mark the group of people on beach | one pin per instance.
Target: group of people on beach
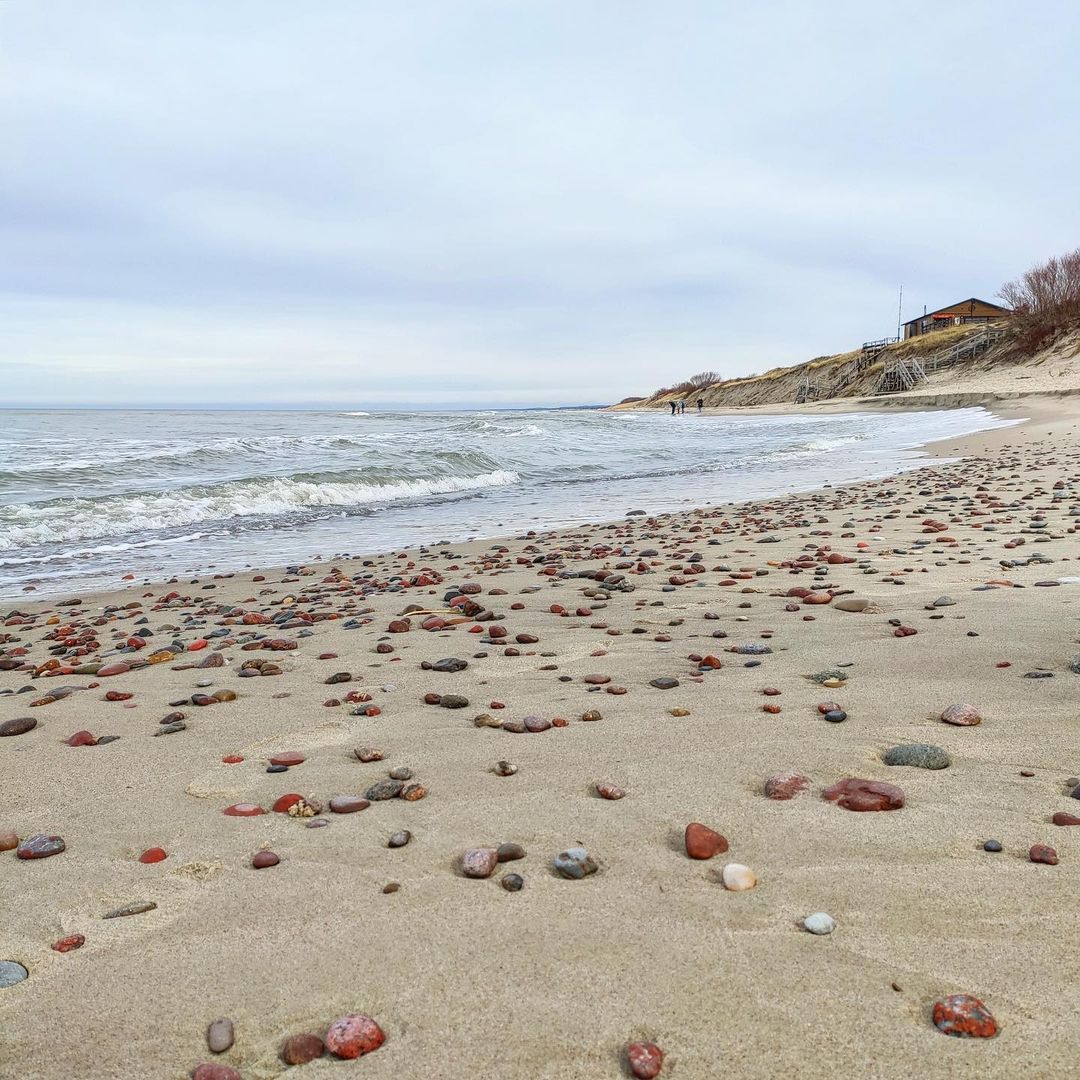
(680, 406)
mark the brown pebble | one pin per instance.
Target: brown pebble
(392, 887)
(300, 1049)
(261, 860)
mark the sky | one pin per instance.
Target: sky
(342, 203)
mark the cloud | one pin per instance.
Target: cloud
(518, 201)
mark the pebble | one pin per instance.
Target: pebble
(992, 845)
(645, 1059)
(701, 842)
(738, 878)
(664, 682)
(263, 860)
(138, 907)
(220, 1036)
(512, 882)
(1043, 853)
(215, 1071)
(300, 1049)
(8, 840)
(479, 862)
(610, 791)
(918, 756)
(962, 715)
(347, 804)
(575, 863)
(20, 725)
(964, 1016)
(856, 794)
(11, 973)
(243, 810)
(505, 768)
(399, 839)
(153, 855)
(1062, 818)
(509, 852)
(40, 846)
(384, 789)
(819, 923)
(352, 1035)
(786, 785)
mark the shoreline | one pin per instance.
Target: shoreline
(650, 946)
(1002, 411)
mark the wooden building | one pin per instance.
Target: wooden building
(971, 310)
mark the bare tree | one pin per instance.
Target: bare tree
(1046, 299)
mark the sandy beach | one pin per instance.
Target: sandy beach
(469, 979)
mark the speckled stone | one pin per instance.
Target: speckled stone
(918, 756)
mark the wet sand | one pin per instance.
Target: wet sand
(468, 979)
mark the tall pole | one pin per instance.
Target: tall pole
(900, 313)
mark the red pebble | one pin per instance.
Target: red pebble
(82, 738)
(232, 759)
(117, 695)
(964, 1016)
(153, 855)
(1043, 853)
(69, 943)
(281, 805)
(786, 785)
(288, 757)
(1061, 818)
(770, 708)
(215, 1071)
(350, 1036)
(243, 809)
(261, 860)
(703, 842)
(861, 795)
(645, 1059)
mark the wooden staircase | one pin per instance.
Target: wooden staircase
(904, 374)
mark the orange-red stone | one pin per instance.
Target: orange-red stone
(703, 842)
(153, 855)
(964, 1016)
(350, 1036)
(860, 795)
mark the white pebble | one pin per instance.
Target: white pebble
(738, 878)
(819, 923)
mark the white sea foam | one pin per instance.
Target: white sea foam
(74, 520)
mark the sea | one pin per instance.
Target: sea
(89, 496)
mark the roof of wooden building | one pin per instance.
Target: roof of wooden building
(955, 309)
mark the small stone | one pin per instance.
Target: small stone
(645, 1059)
(819, 923)
(964, 1016)
(1062, 818)
(702, 842)
(8, 840)
(214, 1070)
(591, 715)
(20, 725)
(453, 701)
(220, 1036)
(384, 789)
(139, 907)
(851, 603)
(664, 682)
(962, 715)
(368, 754)
(243, 809)
(786, 785)
(610, 791)
(399, 839)
(505, 768)
(153, 855)
(300, 1049)
(414, 792)
(1043, 853)
(992, 845)
(69, 943)
(11, 973)
(918, 756)
(347, 804)
(509, 852)
(575, 863)
(391, 887)
(40, 846)
(738, 878)
(512, 882)
(862, 795)
(400, 772)
(263, 860)
(288, 758)
(350, 1036)
(479, 862)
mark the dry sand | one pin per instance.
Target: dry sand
(469, 980)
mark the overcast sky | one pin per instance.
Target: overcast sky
(348, 203)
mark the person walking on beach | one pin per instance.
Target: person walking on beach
(674, 406)
(700, 405)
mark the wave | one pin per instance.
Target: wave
(75, 520)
